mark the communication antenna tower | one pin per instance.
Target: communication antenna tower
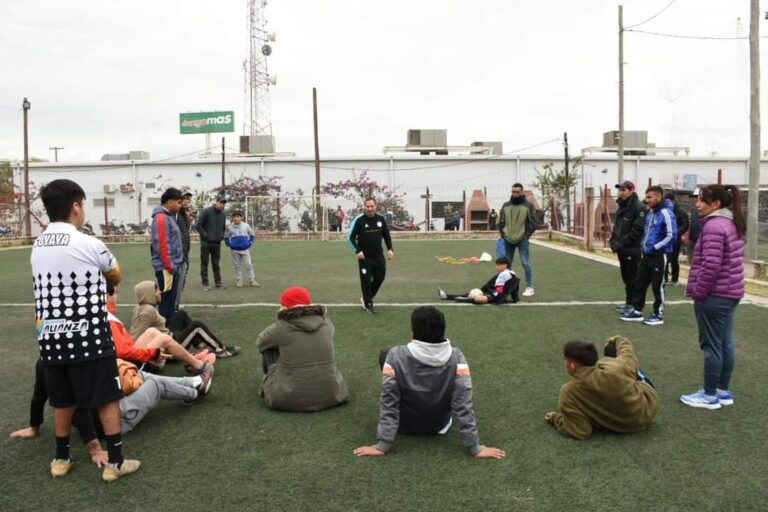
(257, 78)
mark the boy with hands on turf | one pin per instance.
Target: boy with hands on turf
(424, 385)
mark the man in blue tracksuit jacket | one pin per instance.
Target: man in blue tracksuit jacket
(167, 251)
(659, 239)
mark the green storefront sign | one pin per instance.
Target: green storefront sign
(207, 122)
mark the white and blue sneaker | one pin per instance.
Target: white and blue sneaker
(632, 315)
(725, 397)
(701, 400)
(654, 320)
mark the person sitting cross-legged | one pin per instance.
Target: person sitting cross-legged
(300, 372)
(611, 394)
(424, 385)
(152, 346)
(503, 287)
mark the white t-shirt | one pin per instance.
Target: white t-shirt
(502, 279)
(71, 295)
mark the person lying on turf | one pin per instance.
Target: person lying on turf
(424, 385)
(300, 372)
(183, 329)
(152, 346)
(504, 286)
(143, 391)
(611, 394)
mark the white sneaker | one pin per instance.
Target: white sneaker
(528, 292)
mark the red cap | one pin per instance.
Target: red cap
(295, 296)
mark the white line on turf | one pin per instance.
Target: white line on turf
(385, 304)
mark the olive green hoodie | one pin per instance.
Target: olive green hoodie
(305, 377)
(145, 314)
(607, 396)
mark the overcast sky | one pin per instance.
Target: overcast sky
(108, 77)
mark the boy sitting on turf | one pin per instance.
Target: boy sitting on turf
(183, 329)
(152, 346)
(502, 287)
(423, 384)
(611, 394)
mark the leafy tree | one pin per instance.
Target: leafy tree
(362, 186)
(553, 185)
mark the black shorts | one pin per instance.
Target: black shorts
(87, 385)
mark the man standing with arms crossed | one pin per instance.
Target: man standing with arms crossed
(365, 235)
(70, 271)
(626, 237)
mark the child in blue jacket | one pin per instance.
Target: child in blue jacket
(239, 237)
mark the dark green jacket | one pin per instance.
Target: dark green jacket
(516, 221)
(305, 377)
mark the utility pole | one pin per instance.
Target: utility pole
(222, 166)
(26, 105)
(567, 186)
(754, 130)
(56, 150)
(621, 94)
(318, 206)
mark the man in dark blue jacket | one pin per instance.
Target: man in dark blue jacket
(658, 243)
(626, 237)
(210, 225)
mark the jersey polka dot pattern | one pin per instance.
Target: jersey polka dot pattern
(70, 295)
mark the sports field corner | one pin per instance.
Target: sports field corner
(232, 453)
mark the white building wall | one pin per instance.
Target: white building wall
(446, 176)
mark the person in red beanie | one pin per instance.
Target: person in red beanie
(299, 363)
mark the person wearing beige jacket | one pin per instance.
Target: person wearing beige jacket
(610, 394)
(187, 332)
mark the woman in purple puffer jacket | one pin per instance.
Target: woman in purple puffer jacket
(716, 284)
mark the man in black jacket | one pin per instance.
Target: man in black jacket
(627, 236)
(366, 233)
(211, 225)
(185, 226)
(673, 263)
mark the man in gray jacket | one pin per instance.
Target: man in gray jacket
(211, 225)
(423, 384)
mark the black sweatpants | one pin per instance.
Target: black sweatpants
(628, 265)
(193, 332)
(650, 271)
(214, 251)
(372, 274)
(673, 265)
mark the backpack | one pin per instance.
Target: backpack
(130, 378)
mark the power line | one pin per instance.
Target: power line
(680, 36)
(426, 167)
(652, 17)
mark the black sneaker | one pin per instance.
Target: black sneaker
(206, 287)
(221, 286)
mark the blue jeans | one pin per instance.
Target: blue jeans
(524, 247)
(714, 317)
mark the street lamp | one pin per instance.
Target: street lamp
(26, 105)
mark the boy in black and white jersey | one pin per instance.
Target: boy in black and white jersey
(502, 287)
(70, 272)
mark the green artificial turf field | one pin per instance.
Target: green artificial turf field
(232, 453)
